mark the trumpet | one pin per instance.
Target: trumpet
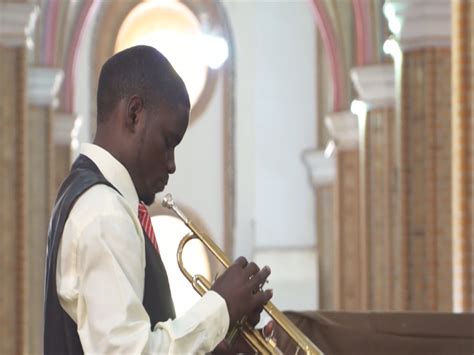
(261, 344)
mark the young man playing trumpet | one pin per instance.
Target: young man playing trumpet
(106, 288)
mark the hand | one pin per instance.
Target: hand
(241, 346)
(240, 286)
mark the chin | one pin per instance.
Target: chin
(149, 199)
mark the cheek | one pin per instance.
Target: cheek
(145, 161)
(156, 162)
(154, 158)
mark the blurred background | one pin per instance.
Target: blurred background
(330, 139)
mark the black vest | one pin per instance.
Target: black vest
(60, 331)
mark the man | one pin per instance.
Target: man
(106, 288)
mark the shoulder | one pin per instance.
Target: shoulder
(101, 203)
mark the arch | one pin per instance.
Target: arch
(61, 33)
(111, 16)
(110, 19)
(363, 22)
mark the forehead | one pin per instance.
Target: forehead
(174, 120)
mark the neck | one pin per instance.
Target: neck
(110, 140)
(106, 139)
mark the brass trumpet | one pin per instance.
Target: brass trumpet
(256, 340)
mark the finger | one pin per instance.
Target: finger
(254, 318)
(259, 278)
(222, 347)
(268, 329)
(241, 261)
(262, 298)
(258, 309)
(241, 346)
(251, 269)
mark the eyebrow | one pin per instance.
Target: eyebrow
(174, 138)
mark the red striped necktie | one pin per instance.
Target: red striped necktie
(145, 221)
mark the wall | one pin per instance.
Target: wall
(275, 122)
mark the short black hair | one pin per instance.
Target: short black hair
(142, 71)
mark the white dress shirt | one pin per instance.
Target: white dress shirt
(101, 272)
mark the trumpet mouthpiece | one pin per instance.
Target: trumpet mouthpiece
(167, 201)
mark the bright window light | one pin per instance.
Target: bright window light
(329, 150)
(172, 28)
(358, 107)
(393, 19)
(391, 47)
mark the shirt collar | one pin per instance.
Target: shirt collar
(113, 171)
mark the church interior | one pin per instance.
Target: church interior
(330, 140)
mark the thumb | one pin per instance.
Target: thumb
(268, 329)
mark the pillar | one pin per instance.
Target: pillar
(421, 50)
(17, 23)
(375, 111)
(462, 151)
(350, 270)
(43, 85)
(63, 138)
(321, 167)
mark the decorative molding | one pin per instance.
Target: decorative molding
(375, 84)
(17, 22)
(343, 128)
(419, 23)
(321, 169)
(330, 41)
(43, 86)
(63, 126)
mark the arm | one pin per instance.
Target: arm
(108, 307)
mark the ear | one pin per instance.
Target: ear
(134, 112)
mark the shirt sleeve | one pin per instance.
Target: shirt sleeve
(107, 305)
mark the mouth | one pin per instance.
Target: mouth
(162, 183)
